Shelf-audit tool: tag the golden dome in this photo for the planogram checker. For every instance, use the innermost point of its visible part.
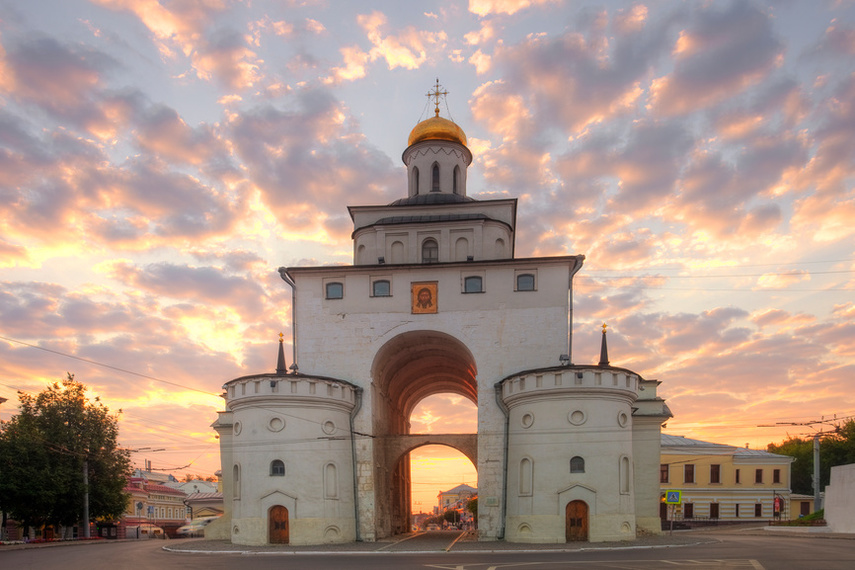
(437, 129)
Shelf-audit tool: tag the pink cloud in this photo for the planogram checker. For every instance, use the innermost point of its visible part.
(721, 53)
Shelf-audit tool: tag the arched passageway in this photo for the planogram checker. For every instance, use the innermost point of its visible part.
(407, 369)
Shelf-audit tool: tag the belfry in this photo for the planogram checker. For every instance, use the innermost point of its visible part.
(437, 302)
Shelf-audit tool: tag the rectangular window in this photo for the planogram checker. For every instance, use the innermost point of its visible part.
(381, 288)
(776, 476)
(713, 510)
(663, 473)
(737, 476)
(758, 510)
(715, 473)
(688, 473)
(525, 282)
(688, 511)
(334, 290)
(473, 284)
(758, 475)
(736, 512)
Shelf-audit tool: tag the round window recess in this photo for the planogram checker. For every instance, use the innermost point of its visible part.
(576, 417)
(329, 427)
(622, 419)
(527, 420)
(276, 424)
(238, 427)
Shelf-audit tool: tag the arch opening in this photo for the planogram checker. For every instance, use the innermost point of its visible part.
(416, 367)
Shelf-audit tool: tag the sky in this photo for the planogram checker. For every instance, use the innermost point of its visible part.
(160, 159)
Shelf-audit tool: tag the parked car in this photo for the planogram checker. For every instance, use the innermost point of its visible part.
(144, 530)
(195, 527)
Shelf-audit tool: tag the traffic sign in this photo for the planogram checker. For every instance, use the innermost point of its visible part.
(673, 497)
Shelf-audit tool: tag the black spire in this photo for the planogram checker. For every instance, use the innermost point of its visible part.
(604, 349)
(281, 368)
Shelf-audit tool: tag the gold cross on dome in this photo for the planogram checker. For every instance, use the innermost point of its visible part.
(605, 326)
(281, 337)
(436, 94)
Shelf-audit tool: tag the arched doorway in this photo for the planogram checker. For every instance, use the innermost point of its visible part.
(277, 525)
(576, 521)
(407, 369)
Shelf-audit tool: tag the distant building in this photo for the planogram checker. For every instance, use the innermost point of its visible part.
(152, 503)
(201, 505)
(460, 493)
(723, 482)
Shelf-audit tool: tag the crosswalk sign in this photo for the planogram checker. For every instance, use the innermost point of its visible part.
(673, 497)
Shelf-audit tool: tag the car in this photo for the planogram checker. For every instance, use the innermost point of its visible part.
(195, 527)
(145, 530)
(433, 527)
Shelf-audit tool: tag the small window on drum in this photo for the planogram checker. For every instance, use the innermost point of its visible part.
(335, 291)
(430, 251)
(381, 288)
(577, 465)
(525, 282)
(473, 284)
(277, 468)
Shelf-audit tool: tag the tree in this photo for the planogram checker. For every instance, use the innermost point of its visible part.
(837, 448)
(801, 470)
(43, 451)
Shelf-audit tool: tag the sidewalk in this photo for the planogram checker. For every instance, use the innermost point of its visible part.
(420, 543)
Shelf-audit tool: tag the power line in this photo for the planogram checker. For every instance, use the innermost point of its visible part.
(111, 367)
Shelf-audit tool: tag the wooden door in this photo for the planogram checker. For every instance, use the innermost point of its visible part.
(278, 525)
(576, 521)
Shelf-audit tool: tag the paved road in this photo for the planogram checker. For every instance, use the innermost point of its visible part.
(695, 551)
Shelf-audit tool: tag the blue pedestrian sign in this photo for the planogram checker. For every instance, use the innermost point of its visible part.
(673, 497)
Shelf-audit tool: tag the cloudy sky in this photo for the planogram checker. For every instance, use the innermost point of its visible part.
(159, 159)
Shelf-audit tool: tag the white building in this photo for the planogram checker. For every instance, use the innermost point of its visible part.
(436, 302)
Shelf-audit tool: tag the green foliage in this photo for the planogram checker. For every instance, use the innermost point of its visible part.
(835, 449)
(801, 470)
(472, 506)
(42, 455)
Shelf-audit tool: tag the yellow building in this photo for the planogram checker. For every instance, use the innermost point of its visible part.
(723, 483)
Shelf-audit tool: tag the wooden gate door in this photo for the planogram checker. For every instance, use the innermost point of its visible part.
(576, 523)
(278, 525)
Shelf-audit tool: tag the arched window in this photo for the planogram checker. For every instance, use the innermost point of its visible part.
(277, 468)
(335, 290)
(624, 475)
(430, 251)
(434, 184)
(577, 465)
(236, 481)
(381, 288)
(473, 284)
(455, 188)
(461, 249)
(330, 481)
(526, 476)
(397, 252)
(415, 180)
(525, 282)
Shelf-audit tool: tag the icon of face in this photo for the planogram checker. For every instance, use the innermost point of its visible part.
(424, 297)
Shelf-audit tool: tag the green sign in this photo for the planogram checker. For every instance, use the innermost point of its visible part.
(673, 497)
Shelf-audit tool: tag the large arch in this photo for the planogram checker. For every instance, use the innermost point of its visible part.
(407, 369)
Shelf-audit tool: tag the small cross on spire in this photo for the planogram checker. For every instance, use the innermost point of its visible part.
(281, 337)
(605, 326)
(437, 92)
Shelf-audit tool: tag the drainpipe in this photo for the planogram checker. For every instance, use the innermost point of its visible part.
(283, 273)
(353, 456)
(507, 412)
(573, 271)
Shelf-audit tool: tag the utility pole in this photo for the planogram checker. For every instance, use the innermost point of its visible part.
(86, 497)
(817, 497)
(817, 485)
